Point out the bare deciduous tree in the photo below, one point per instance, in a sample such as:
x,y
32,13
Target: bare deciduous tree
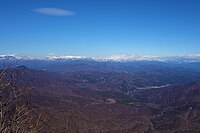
x,y
15,117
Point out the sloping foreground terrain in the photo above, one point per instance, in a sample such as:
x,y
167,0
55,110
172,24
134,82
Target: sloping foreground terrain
x,y
108,102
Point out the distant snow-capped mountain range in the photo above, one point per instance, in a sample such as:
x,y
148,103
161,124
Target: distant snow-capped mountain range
x,y
179,58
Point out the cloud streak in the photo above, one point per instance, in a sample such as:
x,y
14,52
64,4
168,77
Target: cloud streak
x,y
54,11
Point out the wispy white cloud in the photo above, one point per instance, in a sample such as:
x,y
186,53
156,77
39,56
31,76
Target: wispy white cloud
x,y
54,11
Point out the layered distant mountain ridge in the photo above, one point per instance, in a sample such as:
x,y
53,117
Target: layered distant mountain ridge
x,y
110,95
113,102
180,58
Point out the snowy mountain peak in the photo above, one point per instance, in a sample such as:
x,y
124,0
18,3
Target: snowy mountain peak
x,y
131,57
15,57
52,57
122,57
8,57
118,58
105,58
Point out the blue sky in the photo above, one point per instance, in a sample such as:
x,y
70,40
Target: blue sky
x,y
100,27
